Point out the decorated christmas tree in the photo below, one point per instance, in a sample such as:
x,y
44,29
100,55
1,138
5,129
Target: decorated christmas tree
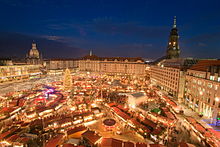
x,y
67,80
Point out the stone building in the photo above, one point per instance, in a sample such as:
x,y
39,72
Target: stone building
x,y
113,65
93,63
60,64
13,73
169,75
202,90
34,56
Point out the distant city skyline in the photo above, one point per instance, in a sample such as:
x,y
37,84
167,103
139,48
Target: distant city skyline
x,y
110,28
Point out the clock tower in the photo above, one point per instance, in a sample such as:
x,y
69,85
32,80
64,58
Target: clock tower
x,y
173,50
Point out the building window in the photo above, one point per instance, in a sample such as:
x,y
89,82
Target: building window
x,y
216,87
209,85
212,78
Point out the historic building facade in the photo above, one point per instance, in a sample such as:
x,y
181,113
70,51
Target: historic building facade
x,y
93,63
19,72
34,56
60,64
202,90
169,75
5,61
113,65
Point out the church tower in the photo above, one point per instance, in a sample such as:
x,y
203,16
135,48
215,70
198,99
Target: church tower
x,y
33,56
173,50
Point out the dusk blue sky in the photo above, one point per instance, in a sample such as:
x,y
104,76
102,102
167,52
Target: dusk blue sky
x,y
134,28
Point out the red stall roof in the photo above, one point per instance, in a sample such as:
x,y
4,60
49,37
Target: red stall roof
x,y
149,123
91,136
53,142
141,145
216,133
110,142
68,145
128,144
156,145
111,104
76,129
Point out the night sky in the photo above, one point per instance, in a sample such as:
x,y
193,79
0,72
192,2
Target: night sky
x,y
134,28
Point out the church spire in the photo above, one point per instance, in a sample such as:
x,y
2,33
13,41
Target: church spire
x,y
174,22
90,53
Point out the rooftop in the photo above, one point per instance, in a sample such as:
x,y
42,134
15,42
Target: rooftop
x,y
138,94
203,65
91,136
110,142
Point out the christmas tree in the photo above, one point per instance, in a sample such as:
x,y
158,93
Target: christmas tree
x,y
67,80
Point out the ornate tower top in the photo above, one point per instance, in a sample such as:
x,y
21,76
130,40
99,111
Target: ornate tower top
x,y
34,46
33,56
173,50
34,53
174,22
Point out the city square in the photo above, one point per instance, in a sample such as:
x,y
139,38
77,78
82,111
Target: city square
x,y
104,73
60,112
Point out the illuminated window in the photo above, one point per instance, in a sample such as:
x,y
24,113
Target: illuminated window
x,y
212,77
209,85
218,79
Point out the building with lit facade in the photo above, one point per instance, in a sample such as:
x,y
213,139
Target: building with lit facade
x,y
93,63
15,73
168,72
169,75
61,64
112,65
202,90
5,61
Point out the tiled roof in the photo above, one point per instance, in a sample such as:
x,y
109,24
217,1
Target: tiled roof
x,y
141,145
110,142
180,63
68,145
130,59
149,123
61,59
203,65
55,141
91,136
7,133
138,94
128,144
156,145
13,138
23,140
94,57
76,129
